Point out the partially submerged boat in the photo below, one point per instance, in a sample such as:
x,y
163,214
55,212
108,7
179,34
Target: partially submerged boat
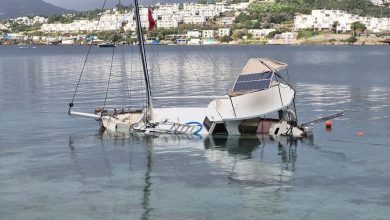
x,y
261,101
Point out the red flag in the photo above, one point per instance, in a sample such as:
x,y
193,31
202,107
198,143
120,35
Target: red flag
x,y
152,23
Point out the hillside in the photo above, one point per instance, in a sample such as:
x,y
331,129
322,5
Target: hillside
x,y
265,15
17,8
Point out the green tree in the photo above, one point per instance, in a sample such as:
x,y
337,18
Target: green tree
x,y
272,34
334,26
358,27
307,33
36,33
60,19
351,40
225,39
238,34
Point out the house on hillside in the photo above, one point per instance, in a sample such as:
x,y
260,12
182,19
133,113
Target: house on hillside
x,y
208,34
223,32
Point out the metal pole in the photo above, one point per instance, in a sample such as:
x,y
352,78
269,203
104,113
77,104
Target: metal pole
x,y
143,58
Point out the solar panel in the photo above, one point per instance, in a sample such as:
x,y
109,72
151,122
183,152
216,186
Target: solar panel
x,y
253,85
254,76
255,81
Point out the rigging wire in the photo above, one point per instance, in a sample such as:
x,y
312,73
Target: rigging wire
x,y
143,86
109,77
125,73
128,89
201,84
131,73
196,75
212,60
156,55
85,62
114,39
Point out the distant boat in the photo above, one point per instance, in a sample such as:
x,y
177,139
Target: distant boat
x,y
107,45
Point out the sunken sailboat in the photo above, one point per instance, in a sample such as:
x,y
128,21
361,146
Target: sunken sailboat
x,y
260,102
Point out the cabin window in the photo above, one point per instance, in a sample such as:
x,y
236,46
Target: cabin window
x,y
253,82
220,128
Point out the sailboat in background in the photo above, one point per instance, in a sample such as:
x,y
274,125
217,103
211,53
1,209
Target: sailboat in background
x,y
262,101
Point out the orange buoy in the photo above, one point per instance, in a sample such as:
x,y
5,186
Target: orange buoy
x,y
328,124
360,133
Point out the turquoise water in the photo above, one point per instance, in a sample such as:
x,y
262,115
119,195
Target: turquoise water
x,y
53,166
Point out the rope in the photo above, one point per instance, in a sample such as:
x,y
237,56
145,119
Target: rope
x,y
85,63
109,77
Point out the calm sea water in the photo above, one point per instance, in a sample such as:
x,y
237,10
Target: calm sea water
x,y
53,166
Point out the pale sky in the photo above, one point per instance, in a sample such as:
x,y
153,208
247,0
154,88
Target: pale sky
x,y
84,4
93,4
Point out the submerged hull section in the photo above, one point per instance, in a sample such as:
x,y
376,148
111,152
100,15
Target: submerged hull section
x,y
164,120
193,121
180,120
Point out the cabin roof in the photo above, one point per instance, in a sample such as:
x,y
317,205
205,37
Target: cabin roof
x,y
261,65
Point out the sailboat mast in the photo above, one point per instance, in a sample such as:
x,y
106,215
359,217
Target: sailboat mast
x,y
143,56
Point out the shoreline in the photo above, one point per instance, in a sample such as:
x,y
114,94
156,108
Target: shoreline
x,y
216,44
320,40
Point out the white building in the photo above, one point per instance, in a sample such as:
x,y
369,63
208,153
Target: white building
x,y
107,22
260,33
207,10
377,2
240,6
194,19
167,23
194,41
3,27
325,19
165,15
208,34
29,21
286,36
193,34
223,32
226,21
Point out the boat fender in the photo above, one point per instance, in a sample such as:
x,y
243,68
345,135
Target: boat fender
x,y
200,126
289,115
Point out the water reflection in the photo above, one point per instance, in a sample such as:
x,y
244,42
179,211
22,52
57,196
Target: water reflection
x,y
249,163
288,154
234,145
255,162
148,181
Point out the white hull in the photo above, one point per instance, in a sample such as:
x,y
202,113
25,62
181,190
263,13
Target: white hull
x,y
188,121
